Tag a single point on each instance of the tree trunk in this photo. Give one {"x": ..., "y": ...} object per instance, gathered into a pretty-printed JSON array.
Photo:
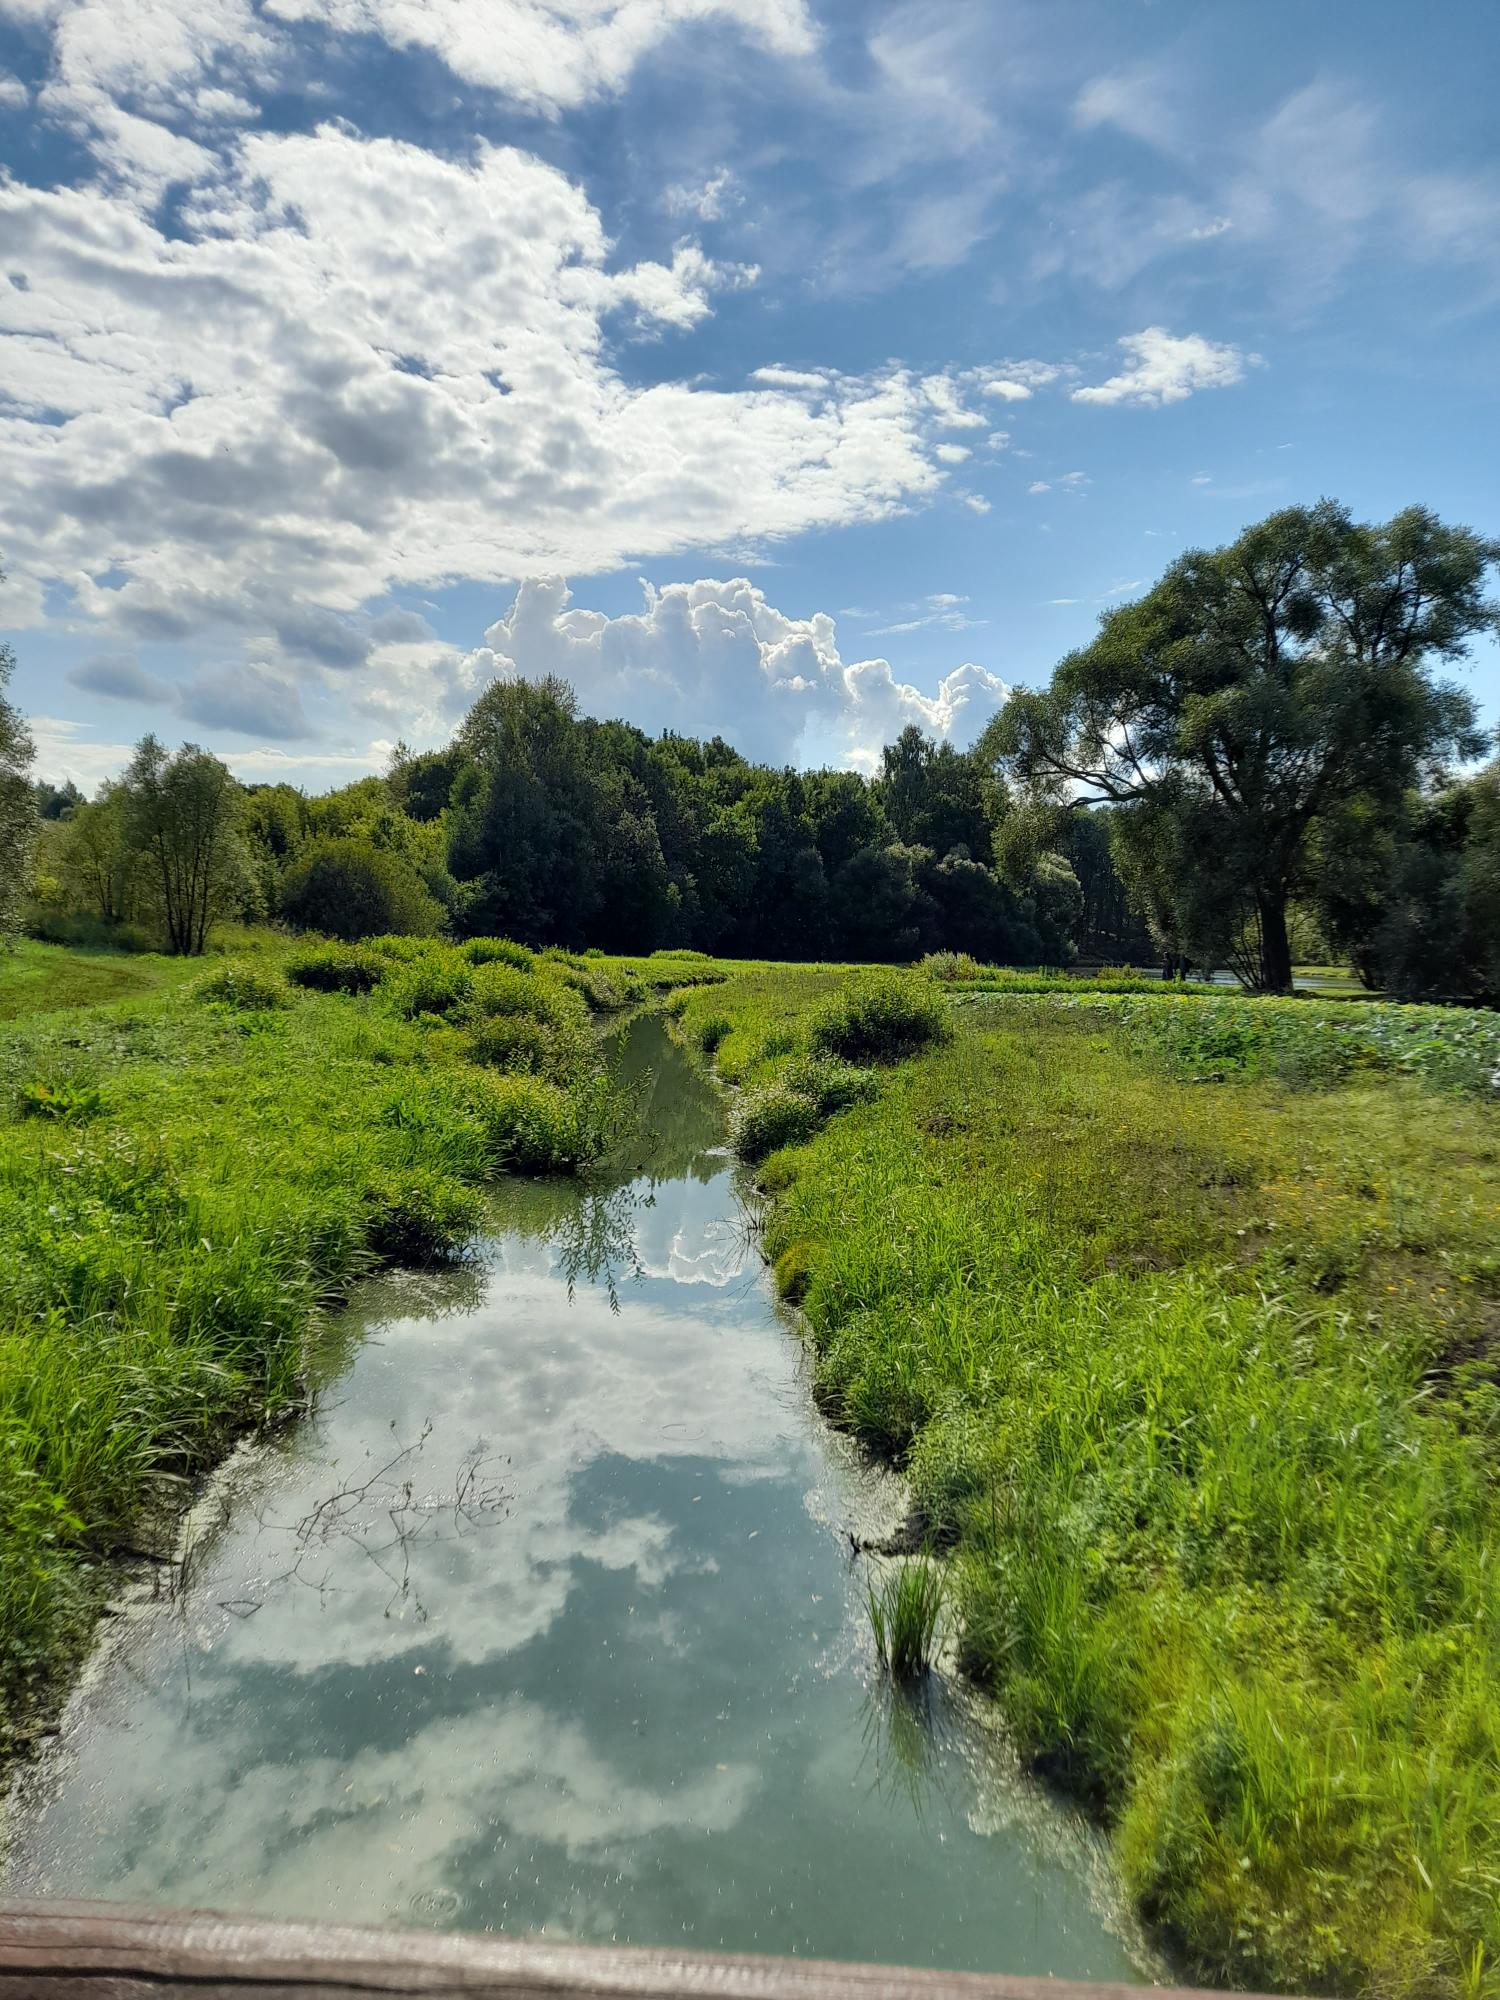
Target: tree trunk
[{"x": 1275, "y": 945}]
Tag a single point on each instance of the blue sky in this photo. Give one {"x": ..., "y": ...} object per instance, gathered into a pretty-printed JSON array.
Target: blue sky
[{"x": 842, "y": 361}]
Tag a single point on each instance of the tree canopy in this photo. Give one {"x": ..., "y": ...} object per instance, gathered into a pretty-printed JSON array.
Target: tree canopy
[{"x": 1255, "y": 691}]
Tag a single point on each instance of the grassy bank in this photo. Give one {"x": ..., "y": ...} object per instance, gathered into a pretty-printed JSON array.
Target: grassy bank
[
  {"x": 1182, "y": 1316},
  {"x": 191, "y": 1174}
]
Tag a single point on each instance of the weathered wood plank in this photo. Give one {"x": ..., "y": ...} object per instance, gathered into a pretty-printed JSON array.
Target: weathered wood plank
[{"x": 55, "y": 1950}]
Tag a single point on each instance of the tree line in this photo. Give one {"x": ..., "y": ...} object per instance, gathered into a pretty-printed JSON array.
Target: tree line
[{"x": 1253, "y": 762}]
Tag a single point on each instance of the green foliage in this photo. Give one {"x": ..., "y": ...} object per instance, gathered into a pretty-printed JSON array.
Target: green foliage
[
  {"x": 58, "y": 1100},
  {"x": 1301, "y": 1042},
  {"x": 190, "y": 1186},
  {"x": 337, "y": 968},
  {"x": 492, "y": 951},
  {"x": 439, "y": 982},
  {"x": 349, "y": 888},
  {"x": 1252, "y": 694},
  {"x": 772, "y": 1117},
  {"x": 1199, "y": 1383},
  {"x": 244, "y": 984},
  {"x": 881, "y": 1017},
  {"x": 18, "y": 808},
  {"x": 906, "y": 1604},
  {"x": 181, "y": 819}
]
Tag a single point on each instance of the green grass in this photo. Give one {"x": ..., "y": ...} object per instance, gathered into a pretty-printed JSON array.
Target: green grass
[
  {"x": 47, "y": 979},
  {"x": 191, "y": 1174},
  {"x": 1202, "y": 1382},
  {"x": 906, "y": 1605}
]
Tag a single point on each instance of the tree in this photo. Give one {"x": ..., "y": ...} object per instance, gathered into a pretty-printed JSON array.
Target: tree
[
  {"x": 938, "y": 797},
  {"x": 351, "y": 889},
  {"x": 97, "y": 861},
  {"x": 18, "y": 814},
  {"x": 1257, "y": 689},
  {"x": 183, "y": 816}
]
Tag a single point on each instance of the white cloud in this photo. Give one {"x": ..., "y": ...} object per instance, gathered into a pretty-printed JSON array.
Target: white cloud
[
  {"x": 355, "y": 366},
  {"x": 13, "y": 93},
  {"x": 708, "y": 200},
  {"x": 951, "y": 454},
  {"x": 124, "y": 72},
  {"x": 1166, "y": 367},
  {"x": 715, "y": 655}
]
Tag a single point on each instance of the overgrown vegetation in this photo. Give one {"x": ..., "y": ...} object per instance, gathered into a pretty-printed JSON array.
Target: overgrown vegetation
[
  {"x": 190, "y": 1175},
  {"x": 1182, "y": 1322}
]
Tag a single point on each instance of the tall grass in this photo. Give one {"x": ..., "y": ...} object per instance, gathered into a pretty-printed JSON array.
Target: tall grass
[
  {"x": 216, "y": 1165},
  {"x": 1202, "y": 1380},
  {"x": 907, "y": 1602}
]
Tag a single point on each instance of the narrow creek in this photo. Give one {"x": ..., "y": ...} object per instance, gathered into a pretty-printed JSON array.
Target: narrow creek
[{"x": 547, "y": 1620}]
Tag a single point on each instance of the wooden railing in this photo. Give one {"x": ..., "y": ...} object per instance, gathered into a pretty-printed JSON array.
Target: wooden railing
[{"x": 104, "y": 1951}]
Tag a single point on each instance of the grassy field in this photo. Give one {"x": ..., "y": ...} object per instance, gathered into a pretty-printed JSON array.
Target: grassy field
[
  {"x": 192, "y": 1171},
  {"x": 1183, "y": 1316}
]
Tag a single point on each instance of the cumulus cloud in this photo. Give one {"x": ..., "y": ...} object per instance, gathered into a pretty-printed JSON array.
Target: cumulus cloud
[
  {"x": 353, "y": 365},
  {"x": 1166, "y": 368},
  {"x": 715, "y": 655}
]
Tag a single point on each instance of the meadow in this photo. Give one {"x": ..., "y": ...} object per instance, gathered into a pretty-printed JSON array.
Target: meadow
[
  {"x": 197, "y": 1160},
  {"x": 1180, "y": 1314}
]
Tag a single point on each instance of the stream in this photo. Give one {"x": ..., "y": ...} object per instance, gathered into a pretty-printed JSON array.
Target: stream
[{"x": 547, "y": 1620}]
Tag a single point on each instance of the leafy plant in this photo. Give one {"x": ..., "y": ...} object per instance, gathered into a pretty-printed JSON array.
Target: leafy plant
[{"x": 880, "y": 1017}]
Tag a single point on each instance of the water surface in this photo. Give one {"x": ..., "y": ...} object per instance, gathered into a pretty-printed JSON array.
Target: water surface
[{"x": 549, "y": 1621}]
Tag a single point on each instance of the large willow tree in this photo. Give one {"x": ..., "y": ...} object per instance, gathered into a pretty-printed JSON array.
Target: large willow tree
[{"x": 1256, "y": 689}]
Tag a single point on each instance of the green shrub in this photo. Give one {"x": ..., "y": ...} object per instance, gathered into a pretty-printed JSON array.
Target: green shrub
[
  {"x": 881, "y": 1017},
  {"x": 532, "y": 1126},
  {"x": 772, "y": 1117},
  {"x": 498, "y": 951},
  {"x": 243, "y": 985},
  {"x": 712, "y": 1031},
  {"x": 498, "y": 989},
  {"x": 349, "y": 888},
  {"x": 511, "y": 1041},
  {"x": 419, "y": 1217},
  {"x": 438, "y": 983},
  {"x": 337, "y": 968},
  {"x": 950, "y": 965},
  {"x": 828, "y": 1084}
]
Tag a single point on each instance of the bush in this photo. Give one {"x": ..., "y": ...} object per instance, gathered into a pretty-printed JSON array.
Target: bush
[
  {"x": 712, "y": 1031},
  {"x": 58, "y": 1100},
  {"x": 419, "y": 1217},
  {"x": 828, "y": 1084},
  {"x": 499, "y": 989},
  {"x": 498, "y": 951},
  {"x": 438, "y": 983},
  {"x": 351, "y": 889},
  {"x": 337, "y": 969},
  {"x": 950, "y": 965},
  {"x": 881, "y": 1017},
  {"x": 511, "y": 1041},
  {"x": 536, "y": 1128},
  {"x": 773, "y": 1117},
  {"x": 237, "y": 984}
]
